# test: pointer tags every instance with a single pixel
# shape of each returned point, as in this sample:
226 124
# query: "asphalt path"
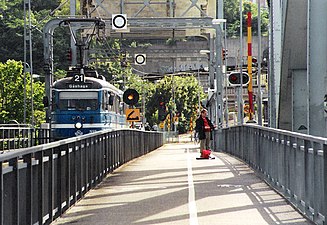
170 186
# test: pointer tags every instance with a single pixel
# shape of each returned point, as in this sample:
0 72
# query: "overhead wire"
104 40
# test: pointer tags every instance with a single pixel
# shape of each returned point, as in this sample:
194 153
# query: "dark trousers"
205 143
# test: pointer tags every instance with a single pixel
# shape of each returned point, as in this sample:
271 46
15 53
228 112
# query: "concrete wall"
233 46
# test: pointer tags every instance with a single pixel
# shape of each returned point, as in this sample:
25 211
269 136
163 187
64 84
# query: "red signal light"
162 113
224 53
233 77
69 55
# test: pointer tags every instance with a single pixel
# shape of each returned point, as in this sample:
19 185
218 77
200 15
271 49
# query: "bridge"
259 175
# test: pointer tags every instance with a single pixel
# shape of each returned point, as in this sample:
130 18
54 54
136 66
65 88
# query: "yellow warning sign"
133 115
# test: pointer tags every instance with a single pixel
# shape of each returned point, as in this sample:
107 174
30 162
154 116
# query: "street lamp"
37 76
218 21
203 52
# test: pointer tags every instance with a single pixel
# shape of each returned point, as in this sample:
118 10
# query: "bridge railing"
294 164
15 136
38 184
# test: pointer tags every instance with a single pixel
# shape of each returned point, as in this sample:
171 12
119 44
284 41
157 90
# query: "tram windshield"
78 100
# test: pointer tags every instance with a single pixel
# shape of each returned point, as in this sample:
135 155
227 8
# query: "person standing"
204 127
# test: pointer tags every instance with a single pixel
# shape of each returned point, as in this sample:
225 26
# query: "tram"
83 102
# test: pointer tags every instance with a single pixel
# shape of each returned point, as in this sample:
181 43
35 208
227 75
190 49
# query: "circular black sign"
131 96
119 21
140 59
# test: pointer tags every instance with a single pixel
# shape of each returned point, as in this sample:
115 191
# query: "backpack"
205 153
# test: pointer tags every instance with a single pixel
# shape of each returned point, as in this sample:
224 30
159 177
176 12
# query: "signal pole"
250 85
72 42
259 99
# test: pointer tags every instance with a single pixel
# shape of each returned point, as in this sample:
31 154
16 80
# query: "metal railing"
15 136
171 137
38 184
294 164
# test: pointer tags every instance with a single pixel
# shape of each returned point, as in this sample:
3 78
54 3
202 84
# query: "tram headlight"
78 125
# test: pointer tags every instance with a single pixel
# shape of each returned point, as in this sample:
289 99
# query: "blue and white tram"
83 104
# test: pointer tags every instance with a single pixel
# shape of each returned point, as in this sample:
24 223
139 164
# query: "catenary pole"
259 94
240 88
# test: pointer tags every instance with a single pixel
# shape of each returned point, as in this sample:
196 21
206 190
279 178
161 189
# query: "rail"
294 164
38 184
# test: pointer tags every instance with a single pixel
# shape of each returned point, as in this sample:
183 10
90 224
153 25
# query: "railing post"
40 186
324 207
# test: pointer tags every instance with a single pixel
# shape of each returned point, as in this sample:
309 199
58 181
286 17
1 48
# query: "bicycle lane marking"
191 193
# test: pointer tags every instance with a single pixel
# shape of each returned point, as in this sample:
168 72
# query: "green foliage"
181 94
58 74
12 31
232 15
136 44
171 41
12 94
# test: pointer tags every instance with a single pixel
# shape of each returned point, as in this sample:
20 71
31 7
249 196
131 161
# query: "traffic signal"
254 62
131 97
69 55
123 61
235 78
224 53
162 112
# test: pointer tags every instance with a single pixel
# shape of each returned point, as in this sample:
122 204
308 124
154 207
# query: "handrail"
294 164
38 184
15 136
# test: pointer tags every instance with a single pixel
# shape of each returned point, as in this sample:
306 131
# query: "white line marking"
191 193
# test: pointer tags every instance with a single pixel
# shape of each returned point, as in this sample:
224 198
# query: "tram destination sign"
79 85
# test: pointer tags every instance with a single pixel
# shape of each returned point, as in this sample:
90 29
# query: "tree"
12 25
232 15
12 94
184 99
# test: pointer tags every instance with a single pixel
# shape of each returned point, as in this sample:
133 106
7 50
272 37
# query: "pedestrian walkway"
169 186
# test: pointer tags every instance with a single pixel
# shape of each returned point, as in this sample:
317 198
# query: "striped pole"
250 89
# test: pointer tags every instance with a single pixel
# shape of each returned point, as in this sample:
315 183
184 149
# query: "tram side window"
107 100
117 105
78 101
105 105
